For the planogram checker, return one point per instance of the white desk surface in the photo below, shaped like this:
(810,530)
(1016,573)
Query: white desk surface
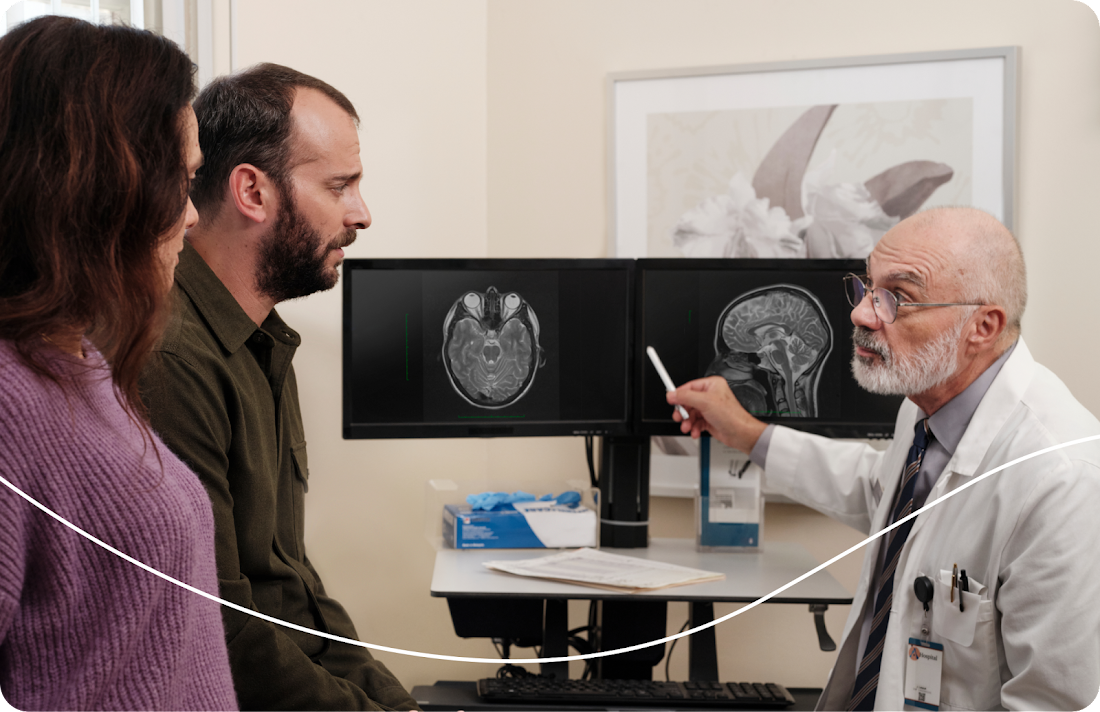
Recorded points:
(459,573)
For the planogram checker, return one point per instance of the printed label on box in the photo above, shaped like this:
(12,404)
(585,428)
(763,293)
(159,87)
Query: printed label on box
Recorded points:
(529,525)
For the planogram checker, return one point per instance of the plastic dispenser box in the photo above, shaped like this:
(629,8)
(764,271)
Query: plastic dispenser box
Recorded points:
(451,522)
(729,504)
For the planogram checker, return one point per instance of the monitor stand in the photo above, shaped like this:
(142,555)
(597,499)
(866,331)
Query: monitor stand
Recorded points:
(624,491)
(624,524)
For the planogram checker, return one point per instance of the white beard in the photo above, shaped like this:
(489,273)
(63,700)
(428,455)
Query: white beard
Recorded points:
(930,366)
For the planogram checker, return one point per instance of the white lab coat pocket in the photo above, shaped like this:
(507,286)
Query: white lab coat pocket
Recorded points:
(950,621)
(970,650)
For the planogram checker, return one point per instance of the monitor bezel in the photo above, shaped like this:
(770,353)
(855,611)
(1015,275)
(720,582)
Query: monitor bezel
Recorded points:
(830,428)
(364,431)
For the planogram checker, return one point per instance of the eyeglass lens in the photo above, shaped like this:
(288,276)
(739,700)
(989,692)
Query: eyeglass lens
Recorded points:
(855,290)
(883,301)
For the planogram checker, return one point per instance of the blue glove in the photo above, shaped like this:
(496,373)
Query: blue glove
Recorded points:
(499,501)
(485,500)
(571,498)
(520,497)
(490,501)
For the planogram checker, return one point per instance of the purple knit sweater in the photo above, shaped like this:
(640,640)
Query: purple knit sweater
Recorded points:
(81,628)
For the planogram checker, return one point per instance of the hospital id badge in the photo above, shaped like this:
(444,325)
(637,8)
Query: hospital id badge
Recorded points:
(923,671)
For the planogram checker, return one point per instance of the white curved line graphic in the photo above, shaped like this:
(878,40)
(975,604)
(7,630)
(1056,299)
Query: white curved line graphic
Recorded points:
(564,658)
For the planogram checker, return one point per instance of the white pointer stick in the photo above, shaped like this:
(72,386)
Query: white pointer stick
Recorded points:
(664,377)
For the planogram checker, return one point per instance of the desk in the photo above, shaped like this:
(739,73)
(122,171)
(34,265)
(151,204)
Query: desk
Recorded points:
(459,574)
(454,695)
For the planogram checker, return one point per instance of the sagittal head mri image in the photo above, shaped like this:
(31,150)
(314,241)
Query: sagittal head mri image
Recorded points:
(491,347)
(770,345)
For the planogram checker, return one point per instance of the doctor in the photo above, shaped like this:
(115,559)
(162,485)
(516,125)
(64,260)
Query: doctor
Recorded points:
(937,319)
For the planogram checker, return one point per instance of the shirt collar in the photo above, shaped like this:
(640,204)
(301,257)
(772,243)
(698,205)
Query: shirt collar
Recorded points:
(219,308)
(949,423)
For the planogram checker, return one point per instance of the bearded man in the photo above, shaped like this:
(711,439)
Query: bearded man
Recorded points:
(279,197)
(987,599)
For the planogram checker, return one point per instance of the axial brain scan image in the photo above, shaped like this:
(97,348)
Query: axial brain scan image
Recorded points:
(491,347)
(770,345)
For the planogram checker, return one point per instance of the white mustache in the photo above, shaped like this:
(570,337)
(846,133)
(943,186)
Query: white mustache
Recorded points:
(866,339)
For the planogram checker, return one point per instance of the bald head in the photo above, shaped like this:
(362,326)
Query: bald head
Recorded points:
(979,258)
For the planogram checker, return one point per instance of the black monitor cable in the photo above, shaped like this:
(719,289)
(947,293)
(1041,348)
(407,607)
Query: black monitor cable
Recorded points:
(504,649)
(587,645)
(589,447)
(510,671)
(668,658)
(583,646)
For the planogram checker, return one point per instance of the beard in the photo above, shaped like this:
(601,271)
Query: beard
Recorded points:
(931,365)
(293,255)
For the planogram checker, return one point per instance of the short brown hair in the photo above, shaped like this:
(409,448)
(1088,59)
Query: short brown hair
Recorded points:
(92,178)
(245,118)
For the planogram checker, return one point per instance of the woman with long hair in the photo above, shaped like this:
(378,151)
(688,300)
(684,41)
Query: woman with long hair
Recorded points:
(97,146)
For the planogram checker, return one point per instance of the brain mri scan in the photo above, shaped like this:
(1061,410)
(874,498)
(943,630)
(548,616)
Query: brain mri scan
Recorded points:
(491,348)
(770,345)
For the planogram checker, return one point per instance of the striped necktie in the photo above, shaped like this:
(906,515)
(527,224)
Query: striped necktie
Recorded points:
(863,694)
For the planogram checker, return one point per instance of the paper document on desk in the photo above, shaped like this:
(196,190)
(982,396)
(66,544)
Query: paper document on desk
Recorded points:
(590,567)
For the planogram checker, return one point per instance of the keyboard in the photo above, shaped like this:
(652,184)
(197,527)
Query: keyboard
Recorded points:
(715,695)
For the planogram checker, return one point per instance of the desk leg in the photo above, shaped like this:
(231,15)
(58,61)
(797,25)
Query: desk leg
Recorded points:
(702,650)
(824,640)
(555,641)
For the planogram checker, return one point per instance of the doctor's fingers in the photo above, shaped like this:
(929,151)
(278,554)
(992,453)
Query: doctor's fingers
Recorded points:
(710,396)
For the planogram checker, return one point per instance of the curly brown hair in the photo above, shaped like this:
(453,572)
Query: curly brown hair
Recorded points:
(92,178)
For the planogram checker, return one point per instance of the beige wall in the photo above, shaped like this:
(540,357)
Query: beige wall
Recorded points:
(484,134)
(415,70)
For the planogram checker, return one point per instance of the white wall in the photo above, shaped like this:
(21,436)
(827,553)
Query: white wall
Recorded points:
(483,134)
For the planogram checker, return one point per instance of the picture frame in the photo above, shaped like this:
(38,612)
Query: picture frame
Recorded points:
(679,138)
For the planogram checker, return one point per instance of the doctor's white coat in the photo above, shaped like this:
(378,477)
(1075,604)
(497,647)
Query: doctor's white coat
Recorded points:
(1028,537)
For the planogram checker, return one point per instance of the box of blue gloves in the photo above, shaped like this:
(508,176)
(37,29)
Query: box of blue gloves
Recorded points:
(520,520)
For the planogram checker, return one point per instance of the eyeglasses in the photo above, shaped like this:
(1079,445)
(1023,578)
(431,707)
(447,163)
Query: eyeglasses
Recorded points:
(885,302)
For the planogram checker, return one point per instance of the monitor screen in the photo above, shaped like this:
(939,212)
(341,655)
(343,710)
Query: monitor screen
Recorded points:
(491,347)
(779,332)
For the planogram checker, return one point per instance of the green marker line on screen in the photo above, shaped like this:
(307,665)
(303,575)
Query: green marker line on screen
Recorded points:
(406,347)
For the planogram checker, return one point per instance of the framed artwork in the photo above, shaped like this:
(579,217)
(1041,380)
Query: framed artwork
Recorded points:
(801,159)
(809,158)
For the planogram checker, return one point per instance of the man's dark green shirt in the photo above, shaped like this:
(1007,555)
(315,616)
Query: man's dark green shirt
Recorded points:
(222,395)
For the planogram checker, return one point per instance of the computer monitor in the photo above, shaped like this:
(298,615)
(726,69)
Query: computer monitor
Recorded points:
(437,348)
(778,330)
